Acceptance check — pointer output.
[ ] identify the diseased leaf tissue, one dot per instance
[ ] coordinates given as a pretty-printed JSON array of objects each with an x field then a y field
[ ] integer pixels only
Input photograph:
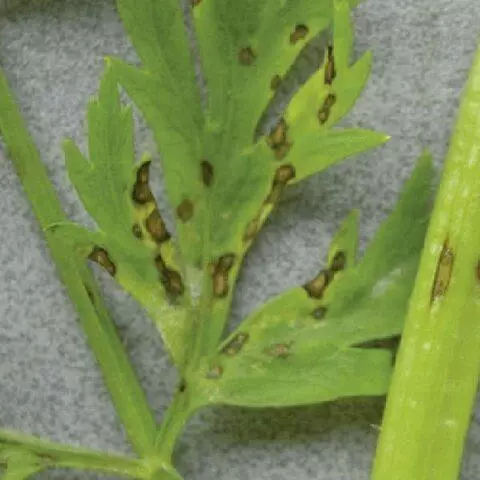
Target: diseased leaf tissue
[
  {"x": 223, "y": 183},
  {"x": 317, "y": 342}
]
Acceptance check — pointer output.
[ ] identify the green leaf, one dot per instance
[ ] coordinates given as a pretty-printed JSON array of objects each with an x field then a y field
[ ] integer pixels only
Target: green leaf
[
  {"x": 166, "y": 92},
  {"x": 132, "y": 243},
  {"x": 316, "y": 152},
  {"x": 344, "y": 244},
  {"x": 310, "y": 344},
  {"x": 214, "y": 168}
]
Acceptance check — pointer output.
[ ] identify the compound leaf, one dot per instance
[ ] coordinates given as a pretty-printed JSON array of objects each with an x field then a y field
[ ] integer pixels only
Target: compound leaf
[
  {"x": 311, "y": 344},
  {"x": 132, "y": 242}
]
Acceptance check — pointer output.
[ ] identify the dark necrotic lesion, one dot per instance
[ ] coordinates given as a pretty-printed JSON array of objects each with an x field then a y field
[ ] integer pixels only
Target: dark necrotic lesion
[
  {"x": 283, "y": 175},
  {"x": 156, "y": 227},
  {"x": 141, "y": 193},
  {"x": 278, "y": 141},
  {"x": 324, "y": 111},
  {"x": 219, "y": 271},
  {"x": 100, "y": 255},
  {"x": 246, "y": 56},
  {"x": 206, "y": 170},
  {"x": 235, "y": 344},
  {"x": 330, "y": 72},
  {"x": 300, "y": 33},
  {"x": 184, "y": 210},
  {"x": 170, "y": 278},
  {"x": 317, "y": 286}
]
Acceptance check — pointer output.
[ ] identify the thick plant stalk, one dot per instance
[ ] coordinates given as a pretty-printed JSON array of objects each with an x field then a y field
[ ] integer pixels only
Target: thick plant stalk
[
  {"x": 126, "y": 392},
  {"x": 436, "y": 375}
]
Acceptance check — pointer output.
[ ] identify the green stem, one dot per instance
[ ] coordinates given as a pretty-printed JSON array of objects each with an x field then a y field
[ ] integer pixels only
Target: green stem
[
  {"x": 435, "y": 379},
  {"x": 173, "y": 423},
  {"x": 61, "y": 456},
  {"x": 126, "y": 392}
]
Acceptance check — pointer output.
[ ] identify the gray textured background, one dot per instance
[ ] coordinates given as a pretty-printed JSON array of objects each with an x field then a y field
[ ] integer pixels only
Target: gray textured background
[{"x": 52, "y": 54}]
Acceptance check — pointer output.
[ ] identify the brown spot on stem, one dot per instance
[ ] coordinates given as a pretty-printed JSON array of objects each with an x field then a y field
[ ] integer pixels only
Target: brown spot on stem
[
  {"x": 443, "y": 272},
  {"x": 300, "y": 32},
  {"x": 207, "y": 172},
  {"x": 185, "y": 210},
  {"x": 100, "y": 255},
  {"x": 339, "y": 262},
  {"x": 329, "y": 67},
  {"x": 316, "y": 287},
  {"x": 156, "y": 227},
  {"x": 324, "y": 112},
  {"x": 235, "y": 344},
  {"x": 275, "y": 82},
  {"x": 246, "y": 56},
  {"x": 195, "y": 2}
]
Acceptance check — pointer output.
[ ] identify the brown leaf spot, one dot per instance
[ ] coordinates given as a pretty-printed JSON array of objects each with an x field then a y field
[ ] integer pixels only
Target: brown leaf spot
[
  {"x": 339, "y": 262},
  {"x": 225, "y": 262},
  {"x": 316, "y": 287},
  {"x": 156, "y": 227},
  {"x": 300, "y": 32},
  {"x": 220, "y": 284},
  {"x": 282, "y": 150},
  {"x": 284, "y": 174},
  {"x": 137, "y": 231},
  {"x": 141, "y": 193},
  {"x": 319, "y": 313},
  {"x": 275, "y": 82},
  {"x": 100, "y": 255},
  {"x": 329, "y": 67},
  {"x": 278, "y": 135},
  {"x": 185, "y": 210},
  {"x": 171, "y": 279},
  {"x": 207, "y": 172},
  {"x": 215, "y": 372},
  {"x": 235, "y": 344},
  {"x": 279, "y": 350},
  {"x": 143, "y": 173},
  {"x": 324, "y": 112},
  {"x": 246, "y": 56}
]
